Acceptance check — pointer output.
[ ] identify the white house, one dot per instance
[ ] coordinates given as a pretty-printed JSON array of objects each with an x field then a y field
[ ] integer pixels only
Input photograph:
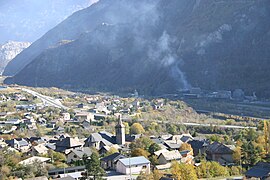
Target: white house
[
  {"x": 81, "y": 116},
  {"x": 34, "y": 159},
  {"x": 168, "y": 157},
  {"x": 66, "y": 116},
  {"x": 78, "y": 153},
  {"x": 39, "y": 149},
  {"x": 133, "y": 165}
]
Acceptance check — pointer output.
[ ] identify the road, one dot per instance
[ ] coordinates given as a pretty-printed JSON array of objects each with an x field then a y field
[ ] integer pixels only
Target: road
[
  {"x": 206, "y": 125},
  {"x": 221, "y": 126},
  {"x": 46, "y": 99}
]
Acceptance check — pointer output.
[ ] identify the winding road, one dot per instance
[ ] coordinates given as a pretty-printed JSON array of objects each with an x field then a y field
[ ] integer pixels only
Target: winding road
[{"x": 46, "y": 99}]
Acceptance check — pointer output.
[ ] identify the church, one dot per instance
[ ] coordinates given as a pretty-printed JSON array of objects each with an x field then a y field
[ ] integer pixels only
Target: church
[
  {"x": 105, "y": 139},
  {"x": 120, "y": 132}
]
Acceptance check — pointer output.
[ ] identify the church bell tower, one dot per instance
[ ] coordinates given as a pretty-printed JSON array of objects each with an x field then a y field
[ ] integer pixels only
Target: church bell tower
[{"x": 120, "y": 132}]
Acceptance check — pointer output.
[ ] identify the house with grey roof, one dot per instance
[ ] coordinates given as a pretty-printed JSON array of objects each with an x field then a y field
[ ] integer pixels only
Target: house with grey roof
[
  {"x": 59, "y": 130},
  {"x": 173, "y": 144},
  {"x": 199, "y": 146},
  {"x": 169, "y": 156},
  {"x": 109, "y": 162},
  {"x": 99, "y": 140},
  {"x": 78, "y": 153},
  {"x": 19, "y": 144},
  {"x": 220, "y": 153},
  {"x": 157, "y": 153},
  {"x": 103, "y": 138},
  {"x": 133, "y": 165},
  {"x": 67, "y": 143},
  {"x": 260, "y": 171},
  {"x": 86, "y": 124}
]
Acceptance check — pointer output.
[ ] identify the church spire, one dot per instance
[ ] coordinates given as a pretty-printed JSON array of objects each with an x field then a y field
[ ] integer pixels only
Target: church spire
[
  {"x": 120, "y": 132},
  {"x": 120, "y": 123}
]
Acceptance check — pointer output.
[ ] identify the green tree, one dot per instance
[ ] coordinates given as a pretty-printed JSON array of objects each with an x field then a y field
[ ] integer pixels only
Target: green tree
[
  {"x": 185, "y": 146},
  {"x": 188, "y": 172},
  {"x": 176, "y": 171},
  {"x": 250, "y": 135},
  {"x": 93, "y": 166},
  {"x": 127, "y": 127},
  {"x": 153, "y": 148},
  {"x": 143, "y": 142},
  {"x": 237, "y": 155},
  {"x": 172, "y": 129},
  {"x": 251, "y": 154},
  {"x": 34, "y": 170},
  {"x": 136, "y": 128},
  {"x": 211, "y": 169},
  {"x": 139, "y": 152},
  {"x": 157, "y": 174},
  {"x": 266, "y": 132},
  {"x": 153, "y": 159},
  {"x": 235, "y": 170},
  {"x": 215, "y": 138},
  {"x": 56, "y": 156},
  {"x": 183, "y": 171},
  {"x": 216, "y": 170},
  {"x": 145, "y": 176}
]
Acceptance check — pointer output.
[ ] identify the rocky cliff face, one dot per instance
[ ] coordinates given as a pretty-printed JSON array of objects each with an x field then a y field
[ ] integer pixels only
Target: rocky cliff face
[
  {"x": 10, "y": 50},
  {"x": 155, "y": 47}
]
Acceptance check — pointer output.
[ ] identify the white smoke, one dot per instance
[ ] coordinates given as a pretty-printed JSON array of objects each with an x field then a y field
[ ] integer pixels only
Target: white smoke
[
  {"x": 180, "y": 77},
  {"x": 162, "y": 50}
]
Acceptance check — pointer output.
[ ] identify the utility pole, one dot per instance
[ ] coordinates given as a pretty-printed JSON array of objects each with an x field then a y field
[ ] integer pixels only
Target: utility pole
[{"x": 129, "y": 168}]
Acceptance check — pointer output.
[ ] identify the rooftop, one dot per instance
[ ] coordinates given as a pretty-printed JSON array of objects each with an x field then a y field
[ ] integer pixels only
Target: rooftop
[
  {"x": 113, "y": 157},
  {"x": 260, "y": 170},
  {"x": 134, "y": 161},
  {"x": 33, "y": 159},
  {"x": 218, "y": 148},
  {"x": 171, "y": 155}
]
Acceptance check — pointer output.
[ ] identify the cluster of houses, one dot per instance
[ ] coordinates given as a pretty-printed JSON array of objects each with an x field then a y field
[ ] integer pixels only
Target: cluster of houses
[
  {"x": 14, "y": 97},
  {"x": 96, "y": 109},
  {"x": 120, "y": 162},
  {"x": 75, "y": 149}
]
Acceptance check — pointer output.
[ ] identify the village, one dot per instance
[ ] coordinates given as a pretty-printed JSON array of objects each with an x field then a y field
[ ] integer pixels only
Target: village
[{"x": 56, "y": 134}]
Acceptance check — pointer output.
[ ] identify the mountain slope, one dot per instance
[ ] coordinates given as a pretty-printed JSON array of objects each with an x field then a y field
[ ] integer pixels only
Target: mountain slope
[
  {"x": 86, "y": 20},
  {"x": 169, "y": 45},
  {"x": 10, "y": 50},
  {"x": 28, "y": 20}
]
